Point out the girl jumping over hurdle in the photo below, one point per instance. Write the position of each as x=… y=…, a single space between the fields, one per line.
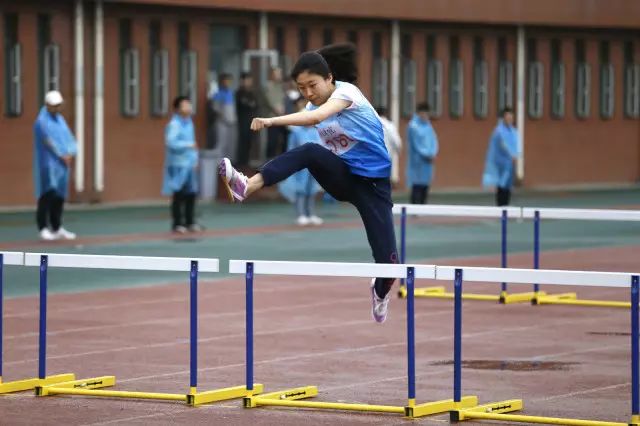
x=352 y=164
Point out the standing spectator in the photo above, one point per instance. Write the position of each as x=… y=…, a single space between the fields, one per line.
x=503 y=151
x=301 y=188
x=246 y=108
x=423 y=148
x=392 y=141
x=54 y=149
x=181 y=162
x=274 y=97
x=226 y=120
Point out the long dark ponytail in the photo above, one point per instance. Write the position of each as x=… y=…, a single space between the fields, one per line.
x=338 y=59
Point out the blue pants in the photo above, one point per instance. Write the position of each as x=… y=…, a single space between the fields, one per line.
x=370 y=196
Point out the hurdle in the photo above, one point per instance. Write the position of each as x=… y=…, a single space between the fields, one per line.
x=17 y=259
x=537 y=214
x=502 y=213
x=295 y=397
x=94 y=386
x=499 y=410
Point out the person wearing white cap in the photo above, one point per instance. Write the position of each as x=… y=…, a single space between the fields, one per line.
x=54 y=149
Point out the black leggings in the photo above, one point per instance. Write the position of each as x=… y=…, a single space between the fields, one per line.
x=50 y=207
x=419 y=194
x=503 y=196
x=370 y=196
x=183 y=200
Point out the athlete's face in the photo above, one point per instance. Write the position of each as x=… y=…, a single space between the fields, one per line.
x=314 y=88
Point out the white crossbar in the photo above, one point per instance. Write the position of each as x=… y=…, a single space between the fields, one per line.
x=457 y=210
x=142 y=263
x=583 y=214
x=12 y=258
x=330 y=269
x=540 y=276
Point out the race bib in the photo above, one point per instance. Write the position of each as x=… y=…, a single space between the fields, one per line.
x=334 y=137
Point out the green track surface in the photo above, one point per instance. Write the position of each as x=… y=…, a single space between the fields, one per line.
x=346 y=242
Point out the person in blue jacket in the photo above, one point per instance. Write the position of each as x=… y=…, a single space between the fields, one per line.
x=503 y=151
x=180 y=167
x=423 y=148
x=301 y=188
x=54 y=149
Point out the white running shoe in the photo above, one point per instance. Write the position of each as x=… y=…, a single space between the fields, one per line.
x=63 y=234
x=315 y=220
x=379 y=307
x=234 y=181
x=179 y=229
x=303 y=220
x=47 y=235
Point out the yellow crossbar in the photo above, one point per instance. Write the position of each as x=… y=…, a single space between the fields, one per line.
x=28 y=384
x=295 y=398
x=118 y=394
x=555 y=300
x=535 y=419
x=329 y=405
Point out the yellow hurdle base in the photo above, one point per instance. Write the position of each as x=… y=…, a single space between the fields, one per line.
x=441 y=293
x=295 y=398
x=92 y=387
x=29 y=384
x=496 y=410
x=572 y=299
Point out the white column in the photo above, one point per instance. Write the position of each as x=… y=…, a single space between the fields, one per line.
x=394 y=107
x=263 y=32
x=99 y=99
x=79 y=93
x=520 y=118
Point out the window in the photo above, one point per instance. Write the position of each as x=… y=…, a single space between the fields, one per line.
x=189 y=76
x=380 y=73
x=13 y=66
x=303 y=40
x=130 y=82
x=327 y=36
x=129 y=72
x=408 y=78
x=456 y=79
x=557 y=80
x=159 y=72
x=352 y=37
x=284 y=61
x=631 y=83
x=227 y=44
x=583 y=82
x=434 y=78
x=51 y=67
x=505 y=77
x=48 y=58
x=480 y=80
x=607 y=79
x=187 y=66
x=536 y=82
x=380 y=78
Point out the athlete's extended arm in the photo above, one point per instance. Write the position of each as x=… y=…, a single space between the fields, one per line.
x=302 y=118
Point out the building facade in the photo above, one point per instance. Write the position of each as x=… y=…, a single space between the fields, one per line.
x=571 y=70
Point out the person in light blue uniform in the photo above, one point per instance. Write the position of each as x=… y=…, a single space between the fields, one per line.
x=180 y=167
x=54 y=148
x=301 y=188
x=226 y=121
x=352 y=163
x=423 y=148
x=502 y=153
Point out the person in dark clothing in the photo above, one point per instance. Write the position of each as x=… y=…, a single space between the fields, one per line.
x=246 y=109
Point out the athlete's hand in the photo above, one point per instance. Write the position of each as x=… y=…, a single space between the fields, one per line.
x=260 y=123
